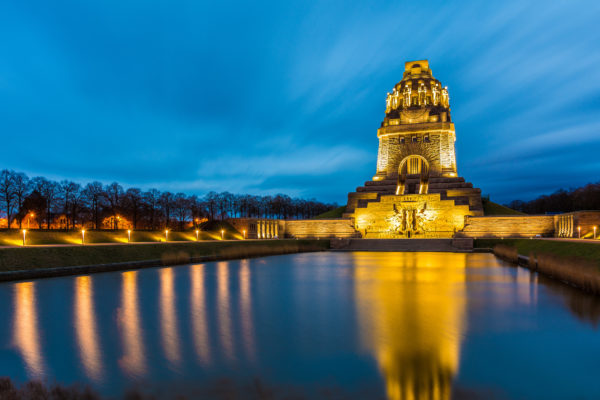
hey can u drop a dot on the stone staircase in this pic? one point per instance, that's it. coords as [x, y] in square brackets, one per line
[403, 245]
[449, 188]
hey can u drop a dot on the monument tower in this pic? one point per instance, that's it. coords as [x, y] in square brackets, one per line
[416, 191]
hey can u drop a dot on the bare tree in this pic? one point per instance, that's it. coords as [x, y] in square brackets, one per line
[182, 209]
[49, 190]
[133, 203]
[113, 194]
[166, 203]
[93, 194]
[7, 193]
[22, 186]
[69, 192]
[151, 198]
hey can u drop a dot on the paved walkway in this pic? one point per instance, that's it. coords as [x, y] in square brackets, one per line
[118, 243]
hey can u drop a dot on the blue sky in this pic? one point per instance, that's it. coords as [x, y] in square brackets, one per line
[285, 96]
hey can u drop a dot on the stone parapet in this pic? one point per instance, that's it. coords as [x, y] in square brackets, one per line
[507, 226]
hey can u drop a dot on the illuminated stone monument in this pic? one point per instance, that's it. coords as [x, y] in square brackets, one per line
[416, 191]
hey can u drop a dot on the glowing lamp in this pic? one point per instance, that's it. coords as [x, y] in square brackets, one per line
[222, 234]
[166, 235]
[197, 235]
[24, 233]
[128, 235]
[244, 231]
[595, 231]
[83, 236]
[579, 230]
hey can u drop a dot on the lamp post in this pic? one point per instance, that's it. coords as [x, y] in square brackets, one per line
[82, 236]
[24, 233]
[244, 234]
[166, 235]
[197, 235]
[595, 231]
[222, 234]
[579, 231]
[128, 235]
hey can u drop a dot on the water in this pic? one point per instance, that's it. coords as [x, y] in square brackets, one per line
[356, 325]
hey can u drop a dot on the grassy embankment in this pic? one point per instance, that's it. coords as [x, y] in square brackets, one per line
[31, 258]
[208, 231]
[575, 263]
[335, 213]
[490, 208]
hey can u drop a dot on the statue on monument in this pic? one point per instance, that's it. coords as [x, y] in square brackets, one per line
[397, 98]
[388, 103]
[445, 97]
[435, 94]
[407, 92]
[422, 93]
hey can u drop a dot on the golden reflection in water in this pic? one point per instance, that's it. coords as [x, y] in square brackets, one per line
[133, 360]
[168, 317]
[246, 311]
[25, 325]
[199, 314]
[85, 327]
[224, 310]
[411, 309]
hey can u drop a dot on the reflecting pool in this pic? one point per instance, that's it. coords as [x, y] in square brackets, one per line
[313, 325]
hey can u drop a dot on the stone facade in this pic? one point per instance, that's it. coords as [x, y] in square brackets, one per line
[320, 228]
[508, 226]
[410, 216]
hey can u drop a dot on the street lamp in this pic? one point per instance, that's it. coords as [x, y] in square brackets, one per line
[244, 234]
[83, 236]
[24, 232]
[222, 233]
[595, 231]
[579, 230]
[128, 235]
[166, 235]
[197, 235]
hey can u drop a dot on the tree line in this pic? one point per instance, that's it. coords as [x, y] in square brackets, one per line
[583, 198]
[93, 204]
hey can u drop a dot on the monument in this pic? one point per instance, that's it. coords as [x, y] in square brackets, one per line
[416, 191]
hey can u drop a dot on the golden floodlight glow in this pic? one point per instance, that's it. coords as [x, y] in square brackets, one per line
[166, 235]
[24, 232]
[83, 236]
[579, 231]
[595, 231]
[222, 234]
[197, 235]
[244, 234]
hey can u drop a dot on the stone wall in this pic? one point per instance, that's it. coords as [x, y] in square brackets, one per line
[508, 226]
[318, 228]
[566, 225]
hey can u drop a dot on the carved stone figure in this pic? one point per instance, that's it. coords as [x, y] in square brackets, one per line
[397, 99]
[422, 94]
[388, 103]
[407, 93]
[394, 99]
[445, 97]
[435, 94]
